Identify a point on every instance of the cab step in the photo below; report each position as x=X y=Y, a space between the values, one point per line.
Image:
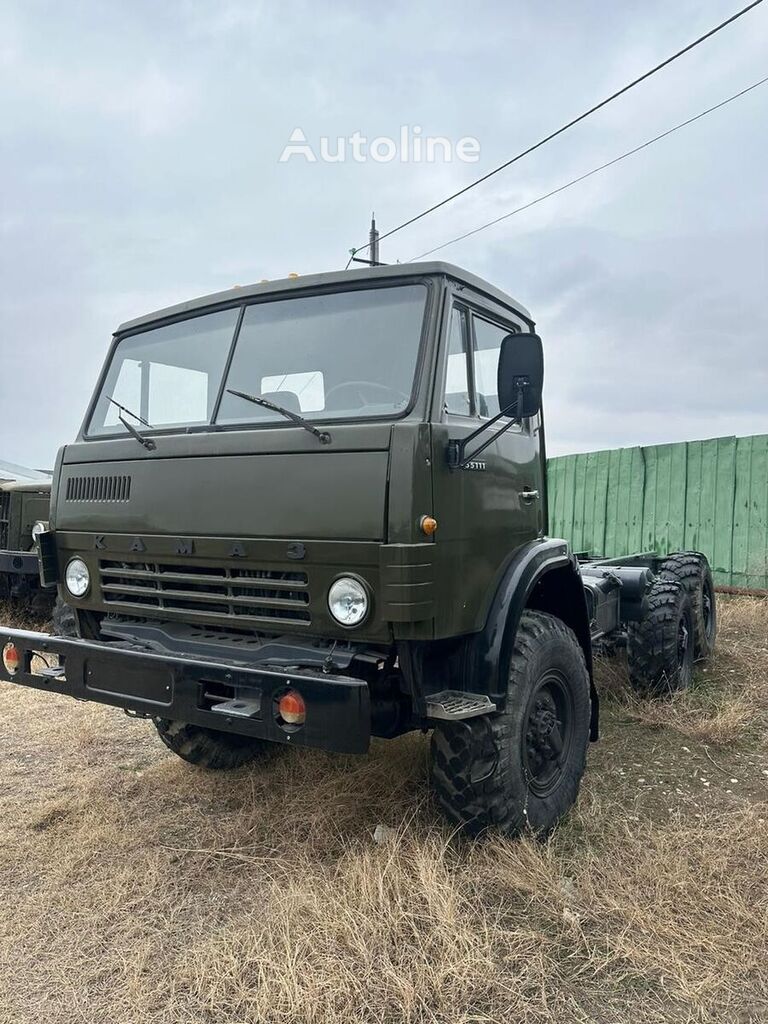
x=453 y=705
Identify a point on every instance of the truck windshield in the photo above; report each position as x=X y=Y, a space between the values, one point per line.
x=339 y=355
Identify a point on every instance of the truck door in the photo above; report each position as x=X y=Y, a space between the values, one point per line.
x=495 y=504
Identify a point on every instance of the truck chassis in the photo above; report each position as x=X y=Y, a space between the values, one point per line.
x=178 y=675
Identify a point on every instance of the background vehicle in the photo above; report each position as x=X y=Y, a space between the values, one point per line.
x=23 y=502
x=314 y=510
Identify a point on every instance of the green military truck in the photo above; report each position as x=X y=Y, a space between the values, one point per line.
x=23 y=502
x=313 y=511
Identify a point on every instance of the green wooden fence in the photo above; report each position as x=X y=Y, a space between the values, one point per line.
x=709 y=496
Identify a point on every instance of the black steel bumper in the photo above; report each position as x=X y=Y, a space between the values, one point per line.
x=22 y=563
x=185 y=689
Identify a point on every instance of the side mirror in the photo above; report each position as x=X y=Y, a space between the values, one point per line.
x=521 y=364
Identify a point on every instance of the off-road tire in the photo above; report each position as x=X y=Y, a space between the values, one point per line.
x=657 y=664
x=480 y=766
x=41 y=604
x=63 y=619
x=692 y=570
x=210 y=748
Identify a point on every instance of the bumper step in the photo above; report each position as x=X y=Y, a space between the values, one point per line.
x=454 y=705
x=240 y=707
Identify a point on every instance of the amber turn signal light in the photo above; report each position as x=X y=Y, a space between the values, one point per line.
x=11 y=658
x=428 y=525
x=291 y=708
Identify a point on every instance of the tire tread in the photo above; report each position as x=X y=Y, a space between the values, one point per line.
x=652 y=642
x=691 y=570
x=63 y=619
x=471 y=759
x=209 y=748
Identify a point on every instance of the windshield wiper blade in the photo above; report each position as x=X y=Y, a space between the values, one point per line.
x=147 y=442
x=124 y=408
x=322 y=435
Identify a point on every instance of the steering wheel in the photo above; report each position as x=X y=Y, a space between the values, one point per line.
x=357 y=385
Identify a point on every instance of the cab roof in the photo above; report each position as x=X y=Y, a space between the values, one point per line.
x=431 y=268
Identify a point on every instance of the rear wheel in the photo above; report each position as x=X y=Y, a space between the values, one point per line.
x=210 y=748
x=520 y=768
x=691 y=570
x=660 y=646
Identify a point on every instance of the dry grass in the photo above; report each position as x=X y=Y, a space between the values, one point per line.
x=138 y=890
x=730 y=697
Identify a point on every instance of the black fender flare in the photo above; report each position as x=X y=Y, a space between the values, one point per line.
x=527 y=583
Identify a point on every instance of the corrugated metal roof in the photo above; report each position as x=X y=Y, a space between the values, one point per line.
x=12 y=471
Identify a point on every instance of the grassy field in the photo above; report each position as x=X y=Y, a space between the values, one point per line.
x=136 y=889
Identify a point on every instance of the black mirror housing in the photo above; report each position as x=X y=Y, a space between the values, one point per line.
x=521 y=364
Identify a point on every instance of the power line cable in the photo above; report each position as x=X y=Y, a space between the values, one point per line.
x=570 y=124
x=582 y=177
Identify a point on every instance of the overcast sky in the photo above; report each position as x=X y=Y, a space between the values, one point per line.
x=139 y=166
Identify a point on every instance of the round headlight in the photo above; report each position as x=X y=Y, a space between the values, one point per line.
x=77 y=577
x=38 y=528
x=348 y=601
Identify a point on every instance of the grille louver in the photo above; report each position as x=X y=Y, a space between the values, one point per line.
x=5 y=516
x=247 y=595
x=98 y=488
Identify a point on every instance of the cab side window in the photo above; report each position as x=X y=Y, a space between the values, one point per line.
x=488 y=339
x=457 y=389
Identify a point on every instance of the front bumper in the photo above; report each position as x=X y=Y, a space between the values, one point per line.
x=20 y=563
x=186 y=689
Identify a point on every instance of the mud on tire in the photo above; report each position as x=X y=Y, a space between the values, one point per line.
x=660 y=646
x=504 y=771
x=210 y=748
x=692 y=571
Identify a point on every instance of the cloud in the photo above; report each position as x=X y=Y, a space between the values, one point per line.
x=139 y=150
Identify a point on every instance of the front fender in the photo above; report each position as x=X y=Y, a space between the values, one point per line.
x=544 y=575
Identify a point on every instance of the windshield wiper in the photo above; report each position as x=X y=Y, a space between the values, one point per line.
x=322 y=435
x=147 y=442
x=124 y=408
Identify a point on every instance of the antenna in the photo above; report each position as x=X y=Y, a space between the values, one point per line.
x=373 y=241
x=373 y=246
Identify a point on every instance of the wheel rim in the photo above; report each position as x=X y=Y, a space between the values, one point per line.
x=547 y=733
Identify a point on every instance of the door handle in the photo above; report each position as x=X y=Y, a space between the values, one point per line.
x=528 y=495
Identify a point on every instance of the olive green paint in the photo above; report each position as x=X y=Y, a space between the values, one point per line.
x=268 y=498
x=22 y=505
x=709 y=496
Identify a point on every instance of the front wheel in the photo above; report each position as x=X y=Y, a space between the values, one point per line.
x=210 y=748
x=520 y=768
x=63 y=620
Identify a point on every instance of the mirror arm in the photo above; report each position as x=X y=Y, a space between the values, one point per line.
x=457 y=457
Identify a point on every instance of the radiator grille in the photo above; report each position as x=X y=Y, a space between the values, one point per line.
x=5 y=516
x=98 y=488
x=266 y=596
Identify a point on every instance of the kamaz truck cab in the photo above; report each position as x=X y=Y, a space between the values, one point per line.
x=314 y=510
